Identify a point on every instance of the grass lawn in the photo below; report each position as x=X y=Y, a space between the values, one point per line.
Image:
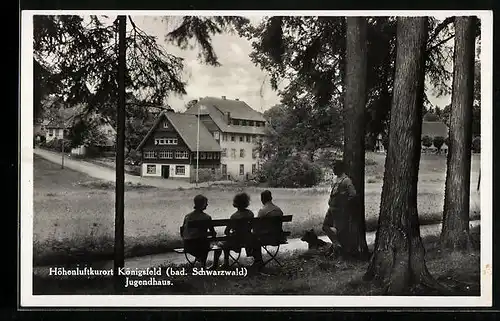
x=301 y=274
x=74 y=213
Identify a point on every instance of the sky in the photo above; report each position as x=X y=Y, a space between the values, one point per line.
x=237 y=77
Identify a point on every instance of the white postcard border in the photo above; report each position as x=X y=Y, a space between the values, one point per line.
x=295 y=301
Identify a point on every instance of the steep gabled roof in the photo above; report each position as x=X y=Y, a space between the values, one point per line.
x=217 y=115
x=186 y=126
x=434 y=128
x=238 y=108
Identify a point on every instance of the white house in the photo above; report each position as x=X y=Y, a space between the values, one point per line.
x=237 y=128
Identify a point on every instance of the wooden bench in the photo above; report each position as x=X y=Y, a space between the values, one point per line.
x=267 y=232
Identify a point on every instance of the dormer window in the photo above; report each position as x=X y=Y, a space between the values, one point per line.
x=166 y=141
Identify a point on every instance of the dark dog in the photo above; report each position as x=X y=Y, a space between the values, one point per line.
x=313 y=241
x=316 y=244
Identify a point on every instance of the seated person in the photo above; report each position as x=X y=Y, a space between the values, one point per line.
x=240 y=232
x=268 y=210
x=195 y=238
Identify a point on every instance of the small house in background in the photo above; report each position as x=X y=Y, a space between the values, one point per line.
x=39 y=129
x=60 y=122
x=169 y=149
x=434 y=129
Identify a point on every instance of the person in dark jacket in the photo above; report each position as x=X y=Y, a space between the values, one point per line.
x=195 y=238
x=342 y=195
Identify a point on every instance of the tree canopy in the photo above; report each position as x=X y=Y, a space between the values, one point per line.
x=308 y=55
x=76 y=58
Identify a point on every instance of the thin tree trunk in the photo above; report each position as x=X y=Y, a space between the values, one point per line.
x=398 y=260
x=119 y=260
x=455 y=232
x=354 y=130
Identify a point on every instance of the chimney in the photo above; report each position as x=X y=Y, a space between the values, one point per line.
x=224 y=97
x=237 y=99
x=228 y=118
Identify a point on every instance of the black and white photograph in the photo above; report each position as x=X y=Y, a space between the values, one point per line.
x=239 y=158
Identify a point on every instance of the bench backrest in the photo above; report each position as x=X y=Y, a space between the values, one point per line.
x=252 y=221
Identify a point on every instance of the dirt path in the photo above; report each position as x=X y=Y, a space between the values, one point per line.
x=108 y=174
x=294 y=245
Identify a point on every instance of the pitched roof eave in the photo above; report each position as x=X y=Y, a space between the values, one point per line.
x=151 y=130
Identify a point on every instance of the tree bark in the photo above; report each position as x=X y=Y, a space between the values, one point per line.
x=119 y=255
x=398 y=260
x=455 y=232
x=354 y=131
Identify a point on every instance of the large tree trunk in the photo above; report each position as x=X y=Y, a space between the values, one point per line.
x=354 y=131
x=398 y=260
x=455 y=233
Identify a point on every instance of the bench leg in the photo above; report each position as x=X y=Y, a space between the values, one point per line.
x=272 y=256
x=235 y=260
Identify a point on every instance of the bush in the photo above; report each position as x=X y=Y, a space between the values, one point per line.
x=206 y=175
x=326 y=157
x=476 y=145
x=427 y=141
x=291 y=172
x=56 y=145
x=438 y=142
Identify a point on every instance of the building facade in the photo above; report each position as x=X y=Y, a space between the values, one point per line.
x=170 y=148
x=237 y=128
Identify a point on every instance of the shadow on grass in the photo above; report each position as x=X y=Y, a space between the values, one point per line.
x=304 y=275
x=91 y=250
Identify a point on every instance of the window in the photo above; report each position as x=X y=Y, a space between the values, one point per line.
x=248 y=138
x=209 y=155
x=151 y=169
x=241 y=138
x=166 y=141
x=51 y=133
x=254 y=154
x=203 y=156
x=150 y=154
x=254 y=168
x=242 y=169
x=224 y=169
x=216 y=135
x=224 y=152
x=244 y=123
x=181 y=155
x=213 y=170
x=233 y=138
x=242 y=153
x=236 y=122
x=233 y=153
x=224 y=137
x=180 y=170
x=251 y=123
x=165 y=124
x=254 y=140
x=166 y=154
